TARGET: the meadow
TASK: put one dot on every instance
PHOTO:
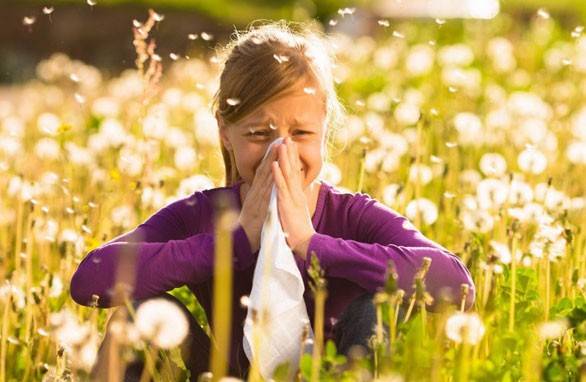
(474, 130)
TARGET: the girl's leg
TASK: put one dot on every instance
(195, 349)
(356, 325)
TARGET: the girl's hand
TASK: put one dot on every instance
(256, 203)
(291, 199)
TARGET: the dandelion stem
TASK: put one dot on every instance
(513, 284)
(320, 298)
(222, 291)
(5, 323)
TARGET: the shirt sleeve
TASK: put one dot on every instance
(382, 234)
(161, 251)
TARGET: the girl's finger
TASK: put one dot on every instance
(280, 181)
(284, 162)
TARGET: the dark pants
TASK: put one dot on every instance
(353, 330)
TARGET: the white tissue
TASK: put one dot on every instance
(277, 272)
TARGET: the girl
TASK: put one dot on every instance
(275, 83)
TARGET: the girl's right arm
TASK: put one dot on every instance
(161, 252)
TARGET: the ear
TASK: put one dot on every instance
(223, 131)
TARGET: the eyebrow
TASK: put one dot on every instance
(266, 118)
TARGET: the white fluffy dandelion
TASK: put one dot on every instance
(465, 328)
(422, 207)
(162, 322)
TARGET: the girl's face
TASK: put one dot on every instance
(299, 113)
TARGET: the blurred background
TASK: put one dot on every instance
(98, 32)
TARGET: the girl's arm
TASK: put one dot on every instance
(383, 234)
(165, 255)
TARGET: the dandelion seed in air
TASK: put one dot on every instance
(566, 62)
(439, 21)
(232, 101)
(577, 32)
(48, 10)
(452, 89)
(333, 22)
(79, 98)
(346, 11)
(384, 23)
(542, 13)
(158, 17)
(192, 36)
(360, 103)
(244, 301)
(280, 58)
(309, 90)
(272, 126)
(136, 23)
(29, 21)
(173, 56)
(91, 3)
(206, 36)
(398, 34)
(451, 145)
(156, 57)
(74, 77)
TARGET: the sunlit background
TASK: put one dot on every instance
(468, 117)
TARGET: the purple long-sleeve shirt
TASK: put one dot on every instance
(355, 237)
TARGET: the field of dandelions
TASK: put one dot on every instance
(475, 130)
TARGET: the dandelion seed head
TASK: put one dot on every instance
(424, 208)
(162, 322)
(553, 329)
(465, 328)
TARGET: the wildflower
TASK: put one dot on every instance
(493, 164)
(456, 55)
(553, 329)
(8, 290)
(48, 123)
(532, 160)
(465, 328)
(420, 173)
(420, 59)
(331, 173)
(123, 216)
(47, 149)
(407, 113)
(422, 207)
(162, 322)
(469, 127)
(491, 193)
(185, 158)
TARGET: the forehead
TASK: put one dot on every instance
(301, 104)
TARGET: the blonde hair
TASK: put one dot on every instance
(264, 62)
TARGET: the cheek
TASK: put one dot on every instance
(311, 157)
(248, 158)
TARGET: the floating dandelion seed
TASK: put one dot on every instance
(29, 20)
(434, 112)
(449, 195)
(346, 11)
(272, 126)
(309, 90)
(192, 36)
(48, 10)
(384, 23)
(232, 101)
(542, 13)
(333, 22)
(280, 58)
(398, 34)
(431, 43)
(206, 36)
(91, 3)
(156, 57)
(566, 62)
(452, 89)
(244, 301)
(451, 145)
(360, 103)
(136, 23)
(439, 21)
(158, 17)
(173, 56)
(79, 98)
(74, 77)
(577, 32)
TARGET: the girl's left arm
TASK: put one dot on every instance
(382, 234)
